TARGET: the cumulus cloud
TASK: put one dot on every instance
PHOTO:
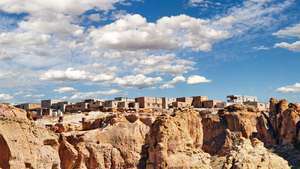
(295, 88)
(162, 64)
(133, 32)
(293, 31)
(173, 82)
(25, 39)
(5, 97)
(139, 81)
(196, 79)
(34, 96)
(65, 75)
(71, 7)
(65, 90)
(94, 94)
(290, 46)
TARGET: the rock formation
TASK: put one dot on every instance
(116, 146)
(233, 138)
(246, 154)
(176, 141)
(23, 145)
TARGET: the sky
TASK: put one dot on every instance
(78, 49)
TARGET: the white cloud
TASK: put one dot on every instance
(34, 96)
(173, 82)
(290, 46)
(65, 90)
(139, 81)
(58, 24)
(22, 39)
(94, 94)
(133, 32)
(5, 97)
(201, 3)
(162, 64)
(196, 79)
(295, 88)
(102, 77)
(293, 31)
(252, 15)
(261, 48)
(73, 7)
(65, 75)
(94, 17)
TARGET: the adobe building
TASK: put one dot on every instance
(167, 102)
(213, 104)
(177, 104)
(198, 101)
(46, 107)
(33, 108)
(96, 105)
(239, 99)
(188, 100)
(77, 107)
(29, 106)
(110, 105)
(126, 99)
(260, 106)
(149, 102)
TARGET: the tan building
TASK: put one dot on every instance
(29, 106)
(149, 102)
(124, 99)
(177, 104)
(46, 106)
(111, 104)
(77, 107)
(213, 104)
(188, 100)
(167, 102)
(258, 105)
(198, 101)
(96, 105)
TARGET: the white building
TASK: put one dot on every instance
(232, 99)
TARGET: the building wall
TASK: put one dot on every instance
(198, 100)
(111, 104)
(188, 100)
(178, 104)
(213, 104)
(167, 102)
(241, 99)
(96, 105)
(149, 102)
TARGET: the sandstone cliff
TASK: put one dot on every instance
(23, 145)
(184, 139)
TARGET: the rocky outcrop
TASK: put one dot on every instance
(12, 112)
(246, 154)
(285, 120)
(24, 145)
(214, 134)
(184, 139)
(176, 141)
(114, 147)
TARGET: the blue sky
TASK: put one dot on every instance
(74, 49)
